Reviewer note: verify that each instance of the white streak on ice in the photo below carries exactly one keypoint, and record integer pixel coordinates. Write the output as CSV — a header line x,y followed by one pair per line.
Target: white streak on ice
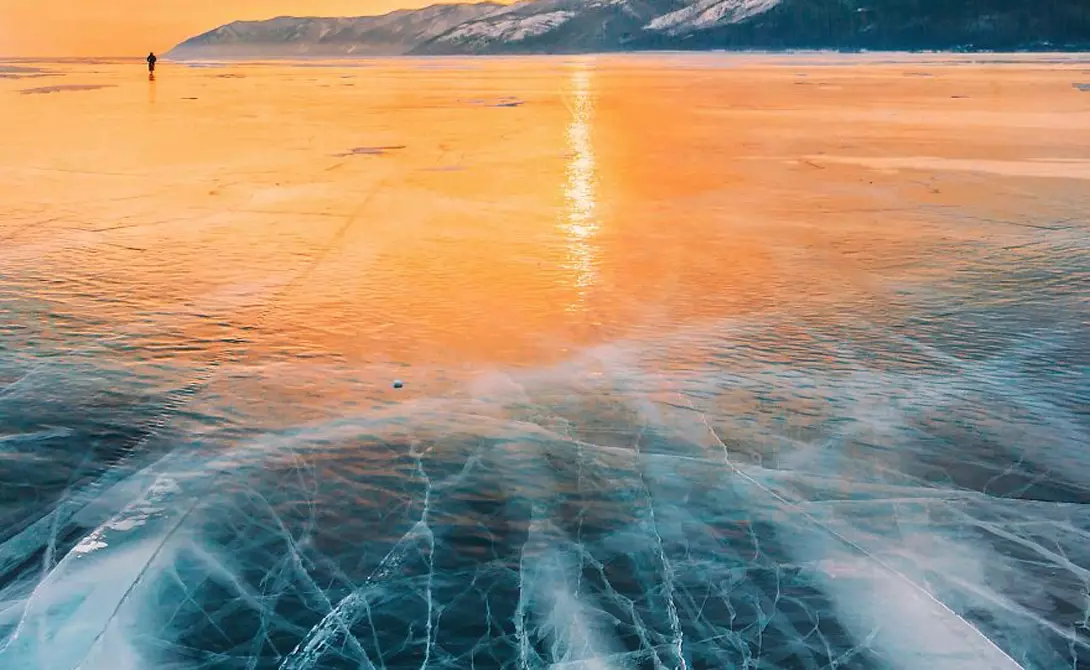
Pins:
x,y
957,643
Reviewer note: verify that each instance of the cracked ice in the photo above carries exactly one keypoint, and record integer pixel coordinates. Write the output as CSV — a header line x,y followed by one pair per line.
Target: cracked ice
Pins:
x,y
455,533
726,414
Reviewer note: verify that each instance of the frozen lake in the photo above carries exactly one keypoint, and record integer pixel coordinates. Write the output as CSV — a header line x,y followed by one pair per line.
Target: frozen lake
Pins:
x,y
708,362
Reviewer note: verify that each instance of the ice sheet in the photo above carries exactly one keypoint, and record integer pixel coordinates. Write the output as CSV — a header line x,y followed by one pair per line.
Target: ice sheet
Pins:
x,y
720,395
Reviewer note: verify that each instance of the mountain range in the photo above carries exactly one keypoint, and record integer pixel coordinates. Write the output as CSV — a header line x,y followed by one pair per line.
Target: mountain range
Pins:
x,y
575,26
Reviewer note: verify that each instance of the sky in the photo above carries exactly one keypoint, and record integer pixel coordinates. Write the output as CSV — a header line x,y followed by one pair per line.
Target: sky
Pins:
x,y
133,27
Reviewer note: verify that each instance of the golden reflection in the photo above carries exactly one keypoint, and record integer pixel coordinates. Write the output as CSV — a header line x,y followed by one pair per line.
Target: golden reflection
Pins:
x,y
131,27
580,223
498,235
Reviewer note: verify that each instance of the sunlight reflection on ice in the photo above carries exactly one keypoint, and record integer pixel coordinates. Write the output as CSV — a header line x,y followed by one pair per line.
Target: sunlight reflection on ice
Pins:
x,y
828,417
581,225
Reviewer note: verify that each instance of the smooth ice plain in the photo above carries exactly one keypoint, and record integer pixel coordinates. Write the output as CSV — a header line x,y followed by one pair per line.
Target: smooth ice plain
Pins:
x,y
709,362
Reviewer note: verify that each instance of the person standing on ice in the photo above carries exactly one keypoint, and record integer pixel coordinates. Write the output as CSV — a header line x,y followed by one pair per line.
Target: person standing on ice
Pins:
x,y
151,62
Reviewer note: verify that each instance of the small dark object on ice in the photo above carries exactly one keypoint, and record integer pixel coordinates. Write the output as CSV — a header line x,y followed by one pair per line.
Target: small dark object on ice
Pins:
x,y
369,151
398,383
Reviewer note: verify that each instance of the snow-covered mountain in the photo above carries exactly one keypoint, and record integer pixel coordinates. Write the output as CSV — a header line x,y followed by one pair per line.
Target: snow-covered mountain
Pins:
x,y
607,25
284,37
567,26
553,26
872,24
704,14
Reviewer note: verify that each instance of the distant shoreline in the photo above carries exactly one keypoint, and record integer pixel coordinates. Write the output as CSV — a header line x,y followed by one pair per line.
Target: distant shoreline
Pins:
x,y
1037,54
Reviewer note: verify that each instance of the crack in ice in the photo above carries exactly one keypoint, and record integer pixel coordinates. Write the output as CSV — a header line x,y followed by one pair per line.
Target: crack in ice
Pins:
x,y
928,595
667,569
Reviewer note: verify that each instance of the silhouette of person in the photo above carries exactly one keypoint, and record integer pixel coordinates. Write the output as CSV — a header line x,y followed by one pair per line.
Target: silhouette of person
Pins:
x,y
151,62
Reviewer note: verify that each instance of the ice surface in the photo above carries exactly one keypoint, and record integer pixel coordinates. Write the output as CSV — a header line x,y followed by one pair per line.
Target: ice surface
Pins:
x,y
1070,169
62,88
369,151
702,370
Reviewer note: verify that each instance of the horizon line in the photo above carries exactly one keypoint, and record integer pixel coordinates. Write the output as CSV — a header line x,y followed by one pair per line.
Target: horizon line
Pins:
x,y
716,50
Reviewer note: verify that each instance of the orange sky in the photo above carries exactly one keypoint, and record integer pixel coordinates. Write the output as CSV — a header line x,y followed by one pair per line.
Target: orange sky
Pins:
x,y
133,27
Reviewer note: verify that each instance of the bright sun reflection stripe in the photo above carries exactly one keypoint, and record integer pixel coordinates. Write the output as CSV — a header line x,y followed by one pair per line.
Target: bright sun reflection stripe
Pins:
x,y
580,225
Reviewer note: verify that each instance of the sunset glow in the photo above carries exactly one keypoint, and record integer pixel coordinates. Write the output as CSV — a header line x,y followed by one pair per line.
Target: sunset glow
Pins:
x,y
316,358
133,27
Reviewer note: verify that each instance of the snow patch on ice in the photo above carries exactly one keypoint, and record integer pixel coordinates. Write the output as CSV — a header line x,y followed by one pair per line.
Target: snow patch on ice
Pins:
x,y
135,516
87,546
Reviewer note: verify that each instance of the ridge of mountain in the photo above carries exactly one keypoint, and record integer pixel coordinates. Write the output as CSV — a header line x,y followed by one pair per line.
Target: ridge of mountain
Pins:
x,y
577,26
394,33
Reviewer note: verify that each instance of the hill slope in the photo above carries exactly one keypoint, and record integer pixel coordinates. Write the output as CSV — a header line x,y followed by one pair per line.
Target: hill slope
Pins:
x,y
286,37
880,25
570,26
